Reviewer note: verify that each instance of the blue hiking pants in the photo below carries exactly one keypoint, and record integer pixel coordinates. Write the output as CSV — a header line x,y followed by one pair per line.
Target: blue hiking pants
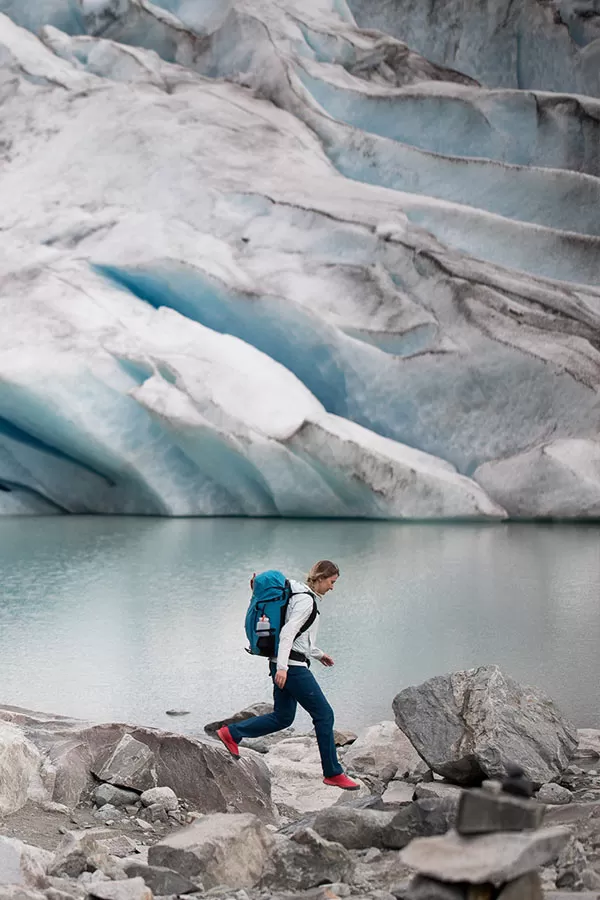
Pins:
x,y
301,688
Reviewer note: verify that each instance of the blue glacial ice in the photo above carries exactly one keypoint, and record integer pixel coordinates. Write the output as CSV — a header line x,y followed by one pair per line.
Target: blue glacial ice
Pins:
x,y
261,259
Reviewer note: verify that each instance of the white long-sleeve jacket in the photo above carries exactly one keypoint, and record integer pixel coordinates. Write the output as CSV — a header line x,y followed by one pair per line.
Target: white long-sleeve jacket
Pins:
x,y
298,611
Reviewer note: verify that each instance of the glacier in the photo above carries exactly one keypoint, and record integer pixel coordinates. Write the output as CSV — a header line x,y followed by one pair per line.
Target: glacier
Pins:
x,y
318,258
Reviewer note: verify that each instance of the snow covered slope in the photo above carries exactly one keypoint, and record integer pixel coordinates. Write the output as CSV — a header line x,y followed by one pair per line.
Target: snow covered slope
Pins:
x,y
258,260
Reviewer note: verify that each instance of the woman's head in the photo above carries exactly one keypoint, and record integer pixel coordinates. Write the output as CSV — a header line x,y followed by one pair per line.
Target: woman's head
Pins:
x,y
323,576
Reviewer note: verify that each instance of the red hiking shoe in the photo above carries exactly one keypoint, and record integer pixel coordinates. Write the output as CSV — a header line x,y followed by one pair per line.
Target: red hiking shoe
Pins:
x,y
224,735
341,781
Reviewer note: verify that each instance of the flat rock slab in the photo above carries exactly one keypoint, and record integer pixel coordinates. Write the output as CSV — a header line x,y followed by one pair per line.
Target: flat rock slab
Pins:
x,y
128,889
572,813
494,858
438,789
569,895
481,812
398,794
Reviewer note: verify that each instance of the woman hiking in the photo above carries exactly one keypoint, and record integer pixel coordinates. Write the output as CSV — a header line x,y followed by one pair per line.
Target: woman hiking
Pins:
x,y
294,683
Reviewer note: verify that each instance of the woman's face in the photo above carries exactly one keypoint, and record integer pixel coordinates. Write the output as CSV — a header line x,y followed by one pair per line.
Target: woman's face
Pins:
x,y
324,585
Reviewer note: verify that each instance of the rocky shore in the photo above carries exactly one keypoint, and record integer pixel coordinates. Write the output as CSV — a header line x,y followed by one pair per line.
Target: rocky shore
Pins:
x,y
121,812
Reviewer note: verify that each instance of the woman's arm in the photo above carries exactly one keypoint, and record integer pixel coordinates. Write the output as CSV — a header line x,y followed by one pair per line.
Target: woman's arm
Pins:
x,y
299,614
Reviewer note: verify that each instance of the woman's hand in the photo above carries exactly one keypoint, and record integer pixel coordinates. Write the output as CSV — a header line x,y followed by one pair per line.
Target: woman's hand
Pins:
x,y
327,660
252,582
281,678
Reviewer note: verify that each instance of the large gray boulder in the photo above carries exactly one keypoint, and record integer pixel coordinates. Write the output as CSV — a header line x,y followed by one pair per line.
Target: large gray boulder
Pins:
x,y
469,725
220,849
199,771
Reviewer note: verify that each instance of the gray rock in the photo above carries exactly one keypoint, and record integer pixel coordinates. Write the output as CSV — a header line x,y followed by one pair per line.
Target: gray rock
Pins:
x,y
64,886
472,724
52,893
116,796
155,813
355,829
588,744
177,712
250,712
382,748
371,801
163,796
199,771
422,888
423,818
304,861
567,895
526,887
131,765
438,789
480,812
19,892
266,742
108,813
571,813
590,880
571,865
129,889
554,794
494,858
343,738
160,880
120,845
20,764
72,855
23,864
221,849
398,794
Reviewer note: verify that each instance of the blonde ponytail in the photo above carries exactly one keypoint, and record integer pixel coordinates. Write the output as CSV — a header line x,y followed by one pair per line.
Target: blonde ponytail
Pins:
x,y
322,569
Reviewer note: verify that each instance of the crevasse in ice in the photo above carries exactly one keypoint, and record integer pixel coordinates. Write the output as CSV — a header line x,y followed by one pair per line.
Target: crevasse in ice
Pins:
x,y
261,258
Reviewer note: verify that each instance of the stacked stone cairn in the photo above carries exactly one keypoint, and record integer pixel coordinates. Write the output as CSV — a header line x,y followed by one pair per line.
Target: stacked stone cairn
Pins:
x,y
494,851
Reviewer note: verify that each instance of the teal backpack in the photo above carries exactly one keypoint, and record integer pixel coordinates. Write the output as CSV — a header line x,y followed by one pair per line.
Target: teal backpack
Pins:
x,y
265,618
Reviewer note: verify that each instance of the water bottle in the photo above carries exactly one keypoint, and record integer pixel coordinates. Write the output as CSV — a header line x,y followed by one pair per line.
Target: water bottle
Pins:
x,y
263,626
265,641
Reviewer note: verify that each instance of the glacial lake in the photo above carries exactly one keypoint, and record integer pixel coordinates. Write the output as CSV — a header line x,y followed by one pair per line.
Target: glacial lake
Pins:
x,y
122,619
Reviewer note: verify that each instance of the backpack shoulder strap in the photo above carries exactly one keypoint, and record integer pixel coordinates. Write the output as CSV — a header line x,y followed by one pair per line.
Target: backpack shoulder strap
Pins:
x,y
315,611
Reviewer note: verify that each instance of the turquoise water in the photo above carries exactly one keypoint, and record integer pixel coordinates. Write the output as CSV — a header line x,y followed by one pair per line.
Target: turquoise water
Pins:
x,y
122,619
